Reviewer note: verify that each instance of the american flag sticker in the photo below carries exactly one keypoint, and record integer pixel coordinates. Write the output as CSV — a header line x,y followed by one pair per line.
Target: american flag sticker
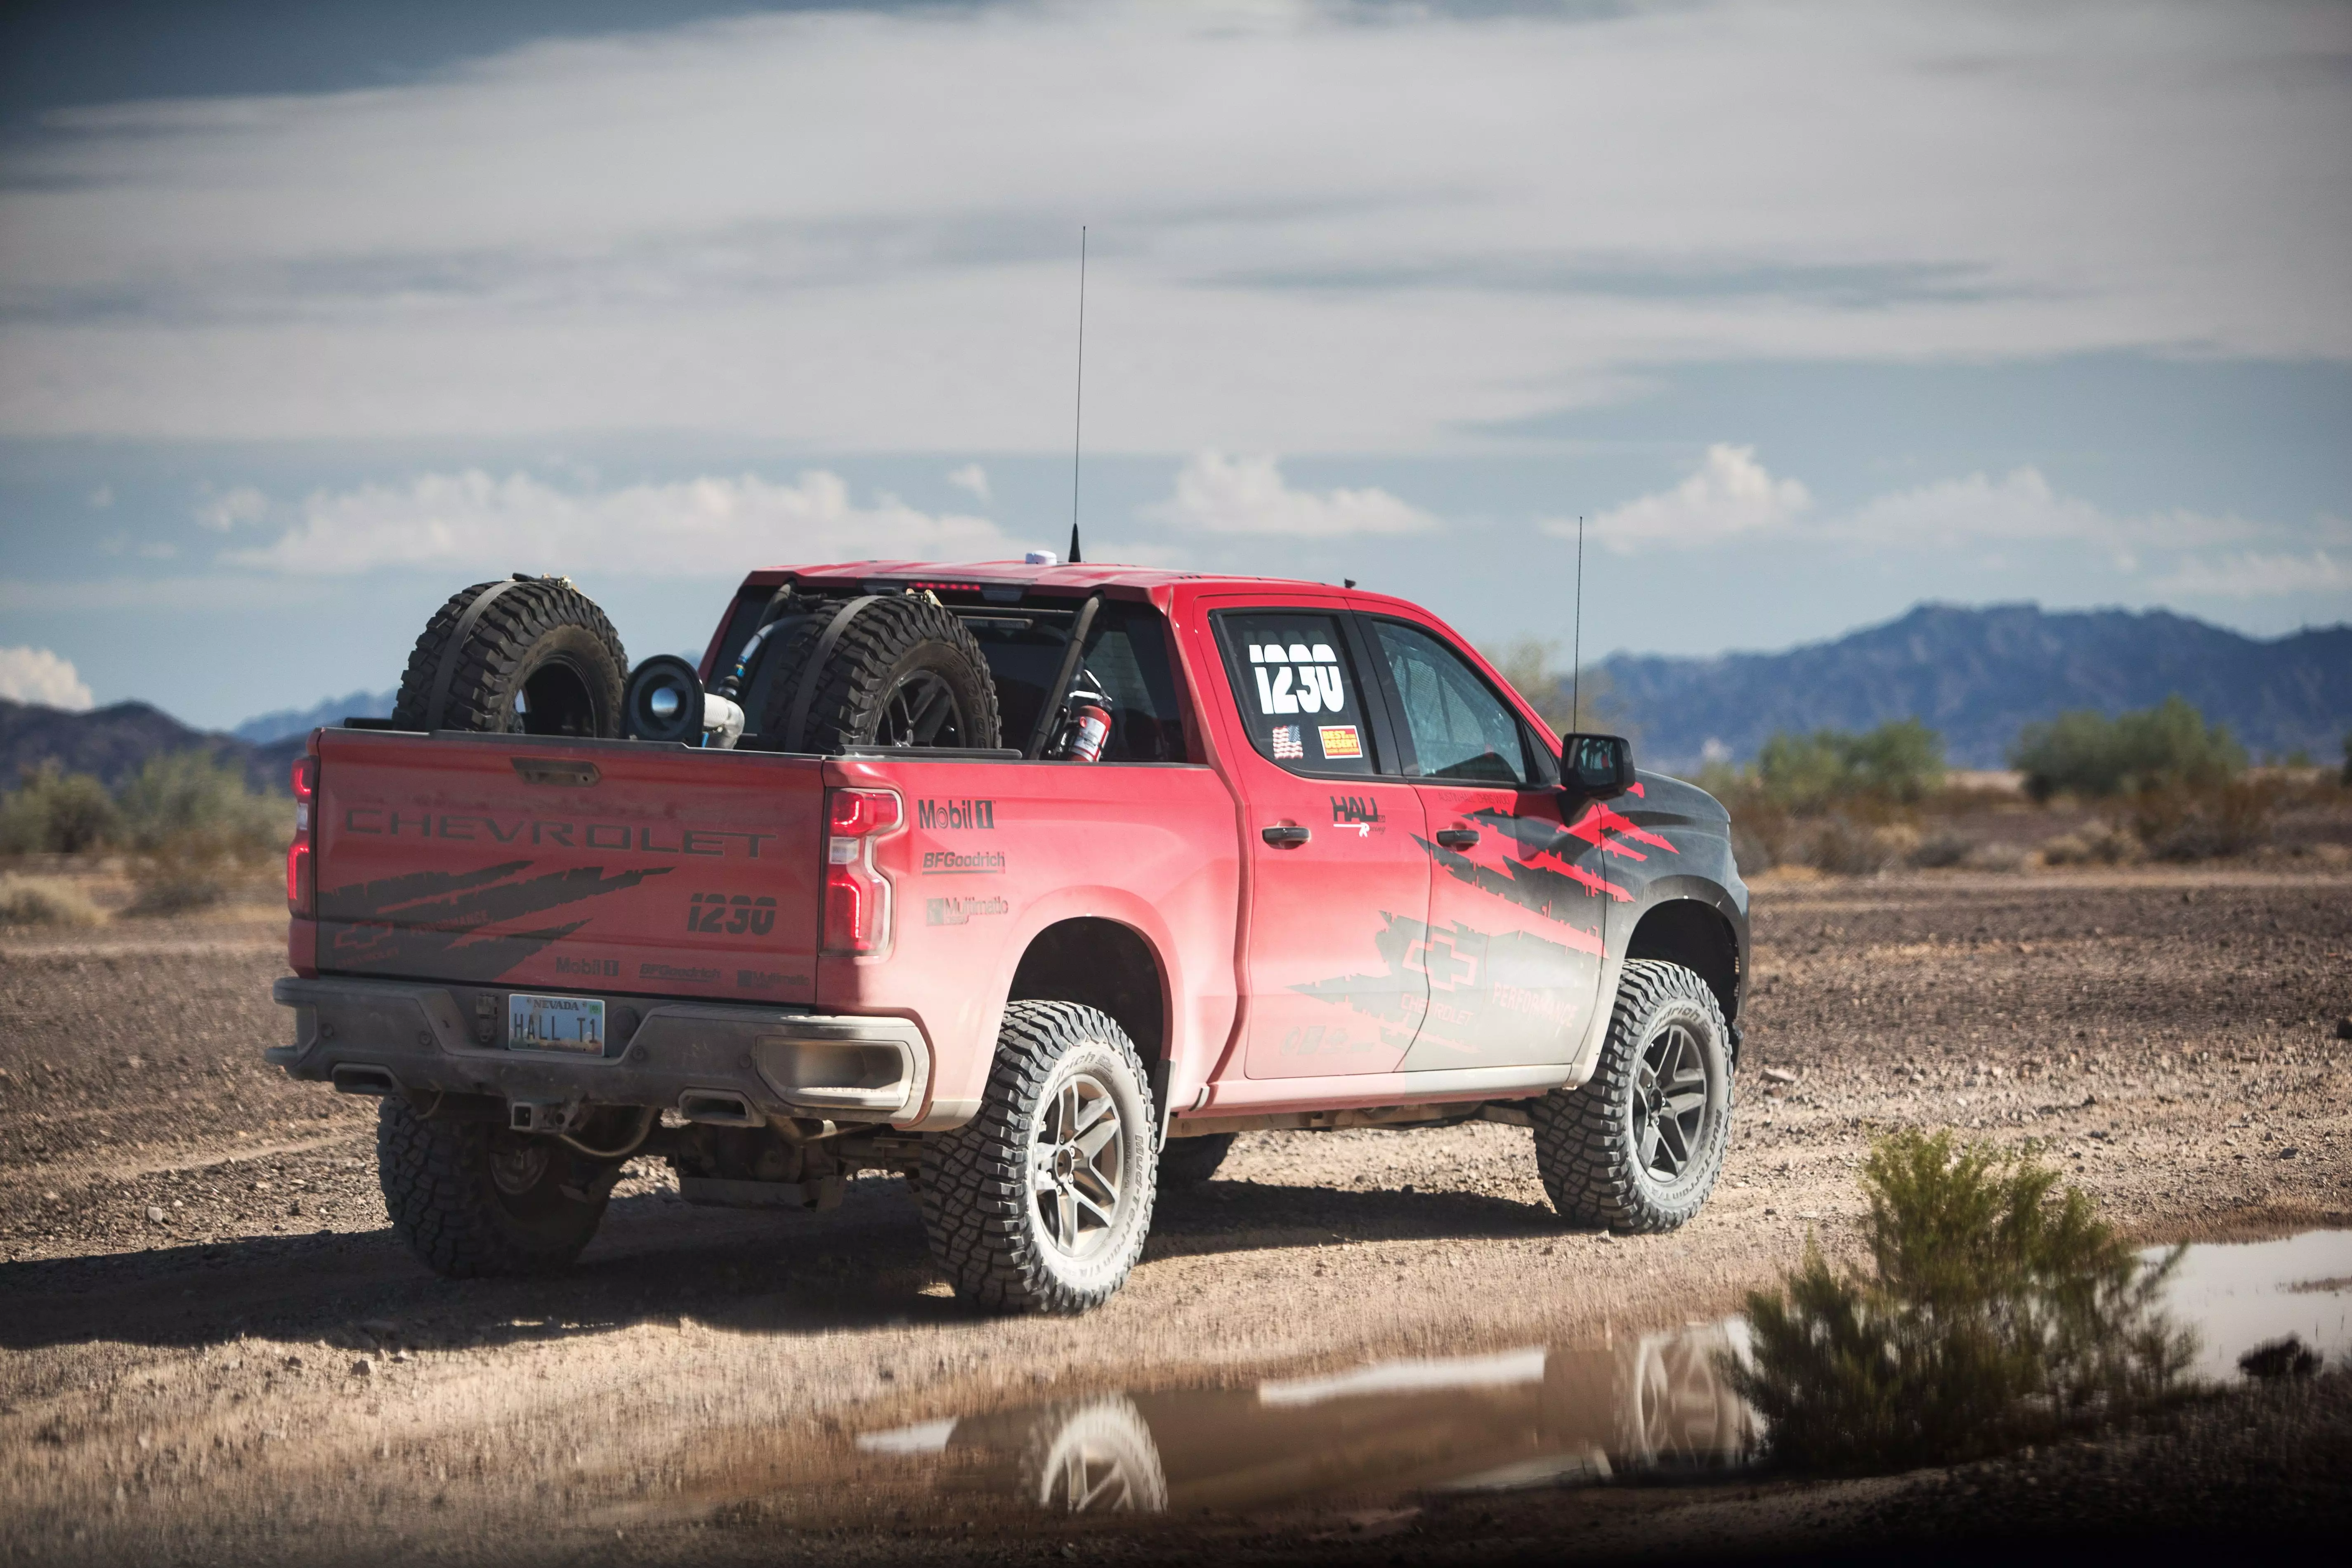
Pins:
x,y
1287,744
1340,741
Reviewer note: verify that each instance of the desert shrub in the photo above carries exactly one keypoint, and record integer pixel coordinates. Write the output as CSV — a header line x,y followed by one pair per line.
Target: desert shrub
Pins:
x,y
45,902
2179,822
193,797
1994,1311
2087,753
56,812
1901,763
2094,845
1596,707
1944,847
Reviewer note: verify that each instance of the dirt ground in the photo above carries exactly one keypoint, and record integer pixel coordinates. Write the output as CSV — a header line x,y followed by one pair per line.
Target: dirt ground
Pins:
x,y
213,1350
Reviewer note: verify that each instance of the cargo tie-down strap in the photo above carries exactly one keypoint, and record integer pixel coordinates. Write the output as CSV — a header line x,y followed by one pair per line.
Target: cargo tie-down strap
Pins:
x,y
815,667
465,624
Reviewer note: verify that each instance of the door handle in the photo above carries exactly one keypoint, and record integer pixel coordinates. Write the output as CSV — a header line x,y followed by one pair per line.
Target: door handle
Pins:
x,y
1284,837
1457,837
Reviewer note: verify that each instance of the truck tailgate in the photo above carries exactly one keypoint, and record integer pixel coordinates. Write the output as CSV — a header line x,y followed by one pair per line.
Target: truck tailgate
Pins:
x,y
568,865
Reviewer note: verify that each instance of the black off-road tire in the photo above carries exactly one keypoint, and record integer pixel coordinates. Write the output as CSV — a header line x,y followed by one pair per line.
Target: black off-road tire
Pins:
x,y
1189,1162
982,1212
890,646
540,640
442,1188
1587,1139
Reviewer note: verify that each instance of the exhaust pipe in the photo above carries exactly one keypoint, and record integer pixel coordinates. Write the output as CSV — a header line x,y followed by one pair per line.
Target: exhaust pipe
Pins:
x,y
357,1078
720,1108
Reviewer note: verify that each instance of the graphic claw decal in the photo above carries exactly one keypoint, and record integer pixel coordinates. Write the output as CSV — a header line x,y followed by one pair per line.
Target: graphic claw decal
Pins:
x,y
435,922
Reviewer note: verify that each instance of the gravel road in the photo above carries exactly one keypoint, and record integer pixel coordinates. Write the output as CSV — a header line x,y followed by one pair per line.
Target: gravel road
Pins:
x,y
212,1350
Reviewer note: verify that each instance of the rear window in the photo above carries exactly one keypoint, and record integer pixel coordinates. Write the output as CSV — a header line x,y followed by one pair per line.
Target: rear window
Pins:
x,y
1297,690
1126,660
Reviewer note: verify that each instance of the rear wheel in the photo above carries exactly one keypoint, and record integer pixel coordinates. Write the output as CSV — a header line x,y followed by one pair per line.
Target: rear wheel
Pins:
x,y
898,671
1042,1202
528,655
473,1200
1639,1148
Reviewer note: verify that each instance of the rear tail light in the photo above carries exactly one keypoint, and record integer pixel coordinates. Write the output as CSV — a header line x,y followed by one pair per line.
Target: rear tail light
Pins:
x,y
298,854
856,893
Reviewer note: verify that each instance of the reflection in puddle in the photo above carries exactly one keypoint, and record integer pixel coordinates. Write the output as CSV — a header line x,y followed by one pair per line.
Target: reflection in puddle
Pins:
x,y
1653,1404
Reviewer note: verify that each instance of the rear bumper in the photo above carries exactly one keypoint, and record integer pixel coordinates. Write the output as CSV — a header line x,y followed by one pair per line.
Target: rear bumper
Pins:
x,y
359,1034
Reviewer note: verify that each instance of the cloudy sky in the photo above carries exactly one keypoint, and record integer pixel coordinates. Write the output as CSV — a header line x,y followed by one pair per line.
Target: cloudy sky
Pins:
x,y
311,314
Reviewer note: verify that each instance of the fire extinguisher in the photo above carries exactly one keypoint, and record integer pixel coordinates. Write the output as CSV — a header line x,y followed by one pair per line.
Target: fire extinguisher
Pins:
x,y
1085,727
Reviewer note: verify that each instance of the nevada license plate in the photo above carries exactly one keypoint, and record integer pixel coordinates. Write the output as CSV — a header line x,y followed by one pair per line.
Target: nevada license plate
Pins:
x,y
555,1023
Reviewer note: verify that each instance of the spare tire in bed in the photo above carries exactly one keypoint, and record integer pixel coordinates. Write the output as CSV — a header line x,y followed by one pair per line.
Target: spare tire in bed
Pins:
x,y
884,670
526,656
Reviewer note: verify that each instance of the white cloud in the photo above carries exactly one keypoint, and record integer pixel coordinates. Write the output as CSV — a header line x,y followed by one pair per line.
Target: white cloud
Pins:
x,y
971,477
1325,226
695,528
37,675
101,498
1729,496
2253,574
1248,495
224,511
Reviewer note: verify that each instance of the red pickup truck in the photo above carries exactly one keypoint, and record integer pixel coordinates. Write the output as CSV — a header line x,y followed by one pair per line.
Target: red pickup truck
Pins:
x,y
1328,870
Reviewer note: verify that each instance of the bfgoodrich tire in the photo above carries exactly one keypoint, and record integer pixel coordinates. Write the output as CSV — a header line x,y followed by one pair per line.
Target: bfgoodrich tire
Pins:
x,y
536,657
1640,1147
471,1200
1042,1202
899,671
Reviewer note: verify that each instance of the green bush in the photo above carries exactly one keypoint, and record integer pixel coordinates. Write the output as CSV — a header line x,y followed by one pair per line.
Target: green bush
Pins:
x,y
2087,753
1900,762
192,799
53,813
1994,1312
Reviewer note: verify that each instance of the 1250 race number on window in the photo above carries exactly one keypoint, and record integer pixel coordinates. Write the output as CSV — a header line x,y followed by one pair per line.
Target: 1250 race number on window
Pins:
x,y
1297,691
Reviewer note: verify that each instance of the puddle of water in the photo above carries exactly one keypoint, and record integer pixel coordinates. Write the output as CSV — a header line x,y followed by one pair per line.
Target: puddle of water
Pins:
x,y
2239,1296
1646,1406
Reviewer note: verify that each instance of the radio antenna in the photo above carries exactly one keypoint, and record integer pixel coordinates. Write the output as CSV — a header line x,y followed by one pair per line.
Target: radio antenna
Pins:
x,y
1078,413
1575,644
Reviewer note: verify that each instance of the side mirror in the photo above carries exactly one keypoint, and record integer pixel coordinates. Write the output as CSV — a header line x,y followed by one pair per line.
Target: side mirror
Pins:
x,y
1595,764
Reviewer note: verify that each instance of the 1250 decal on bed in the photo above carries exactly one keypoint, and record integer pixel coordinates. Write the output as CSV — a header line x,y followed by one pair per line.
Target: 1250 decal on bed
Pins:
x,y
734,916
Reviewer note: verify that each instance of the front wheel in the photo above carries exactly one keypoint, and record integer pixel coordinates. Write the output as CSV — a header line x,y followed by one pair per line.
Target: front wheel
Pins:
x,y
1639,1147
1042,1202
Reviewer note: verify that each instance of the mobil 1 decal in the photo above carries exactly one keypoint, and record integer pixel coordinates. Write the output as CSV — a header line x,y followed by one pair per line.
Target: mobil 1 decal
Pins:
x,y
1294,686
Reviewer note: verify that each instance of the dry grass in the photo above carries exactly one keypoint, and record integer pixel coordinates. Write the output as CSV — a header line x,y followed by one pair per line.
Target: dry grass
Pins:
x,y
45,902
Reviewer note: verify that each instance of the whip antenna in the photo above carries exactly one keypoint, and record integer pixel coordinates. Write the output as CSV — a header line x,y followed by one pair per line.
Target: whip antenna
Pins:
x,y
1576,645
1078,413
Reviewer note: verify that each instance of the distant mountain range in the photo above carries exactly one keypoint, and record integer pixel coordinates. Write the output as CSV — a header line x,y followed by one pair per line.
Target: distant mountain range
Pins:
x,y
114,741
288,722
1977,676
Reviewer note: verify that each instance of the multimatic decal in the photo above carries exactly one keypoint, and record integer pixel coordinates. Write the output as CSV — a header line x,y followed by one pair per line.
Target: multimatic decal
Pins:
x,y
959,911
434,922
1477,979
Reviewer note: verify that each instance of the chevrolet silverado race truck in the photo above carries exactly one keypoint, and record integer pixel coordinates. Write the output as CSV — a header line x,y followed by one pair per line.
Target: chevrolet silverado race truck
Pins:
x,y
1037,883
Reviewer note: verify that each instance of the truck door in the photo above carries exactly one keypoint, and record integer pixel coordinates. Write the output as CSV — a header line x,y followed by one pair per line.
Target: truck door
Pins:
x,y
1519,898
1339,881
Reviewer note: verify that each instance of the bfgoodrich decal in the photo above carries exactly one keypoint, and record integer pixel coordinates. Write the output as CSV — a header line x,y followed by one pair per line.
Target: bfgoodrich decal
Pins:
x,y
949,863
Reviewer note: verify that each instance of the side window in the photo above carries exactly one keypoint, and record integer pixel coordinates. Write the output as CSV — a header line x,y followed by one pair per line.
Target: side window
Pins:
x,y
1298,694
1460,729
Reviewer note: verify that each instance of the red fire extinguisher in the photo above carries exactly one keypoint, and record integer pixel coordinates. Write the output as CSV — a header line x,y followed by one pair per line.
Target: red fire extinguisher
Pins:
x,y
1086,727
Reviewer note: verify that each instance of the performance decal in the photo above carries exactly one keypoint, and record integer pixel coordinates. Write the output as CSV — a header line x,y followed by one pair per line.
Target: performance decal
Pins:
x,y
434,922
1478,980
